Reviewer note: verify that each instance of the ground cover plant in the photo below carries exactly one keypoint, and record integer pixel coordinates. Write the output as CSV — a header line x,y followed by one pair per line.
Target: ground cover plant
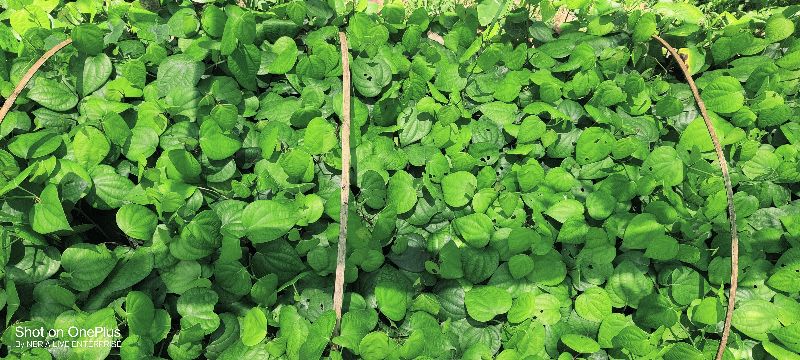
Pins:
x,y
171,177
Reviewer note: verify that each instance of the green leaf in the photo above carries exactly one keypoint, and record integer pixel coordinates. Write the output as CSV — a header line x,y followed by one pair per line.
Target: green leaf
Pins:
x,y
664,165
475,229
186,343
707,312
778,28
88,39
232,277
96,71
628,284
543,307
90,146
240,28
485,302
254,327
755,318
52,94
600,205
373,189
789,336
182,276
297,164
355,325
641,230
488,10
280,57
244,63
458,188
103,319
320,137
645,27
611,326
226,116
668,106
180,165
790,61
594,144
140,312
267,220
520,265
696,134
375,346
549,268
11,299
264,290
593,304
199,238
787,273
400,192
196,307
763,166
509,201
687,285
655,310
724,95
38,263
47,215
216,143
500,113
110,189
137,221
178,72
662,247
34,145
414,128
183,23
779,352
141,144
565,209
86,265
370,75
228,337
683,12
580,343
296,11
392,293
213,20
133,267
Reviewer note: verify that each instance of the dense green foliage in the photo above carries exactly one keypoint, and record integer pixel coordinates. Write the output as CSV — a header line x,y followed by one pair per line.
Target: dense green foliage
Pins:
x,y
517,193
733,6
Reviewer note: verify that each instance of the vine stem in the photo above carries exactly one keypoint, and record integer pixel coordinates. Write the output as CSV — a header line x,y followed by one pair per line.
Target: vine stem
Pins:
x,y
338,285
723,164
28,75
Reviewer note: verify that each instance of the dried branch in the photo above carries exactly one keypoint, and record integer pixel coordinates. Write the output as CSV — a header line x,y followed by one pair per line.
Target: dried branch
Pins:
x,y
723,164
338,287
27,78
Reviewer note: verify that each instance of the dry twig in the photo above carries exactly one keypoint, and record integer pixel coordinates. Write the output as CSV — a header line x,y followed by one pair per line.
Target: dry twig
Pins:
x,y
723,164
28,75
338,286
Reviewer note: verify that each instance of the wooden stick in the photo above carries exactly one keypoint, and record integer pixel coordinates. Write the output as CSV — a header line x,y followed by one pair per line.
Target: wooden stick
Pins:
x,y
338,285
28,75
723,164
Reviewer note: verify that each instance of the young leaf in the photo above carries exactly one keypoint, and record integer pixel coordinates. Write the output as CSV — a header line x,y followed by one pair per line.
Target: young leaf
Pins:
x,y
485,302
254,327
458,188
47,215
88,39
137,221
267,220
